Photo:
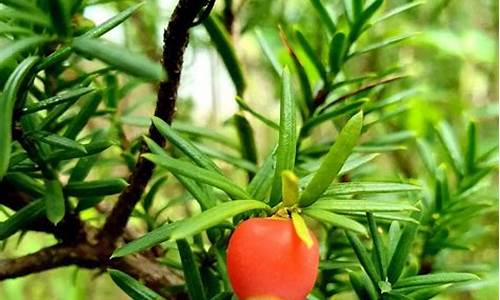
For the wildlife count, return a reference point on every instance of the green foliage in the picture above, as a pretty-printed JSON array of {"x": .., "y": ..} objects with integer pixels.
[{"x": 380, "y": 165}]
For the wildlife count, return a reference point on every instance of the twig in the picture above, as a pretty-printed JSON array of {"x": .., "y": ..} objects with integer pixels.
[{"x": 175, "y": 40}]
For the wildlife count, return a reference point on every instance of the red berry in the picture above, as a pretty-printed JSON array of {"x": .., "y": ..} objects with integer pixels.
[{"x": 267, "y": 259}]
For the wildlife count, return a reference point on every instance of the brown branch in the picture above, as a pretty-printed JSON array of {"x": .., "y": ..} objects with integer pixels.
[
  {"x": 175, "y": 40},
  {"x": 86, "y": 255}
]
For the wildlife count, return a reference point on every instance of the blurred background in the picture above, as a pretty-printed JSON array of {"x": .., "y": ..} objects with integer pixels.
[{"x": 451, "y": 57}]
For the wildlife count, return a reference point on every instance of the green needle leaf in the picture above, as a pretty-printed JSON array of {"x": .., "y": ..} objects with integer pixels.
[
  {"x": 12, "y": 50},
  {"x": 191, "y": 226},
  {"x": 7, "y": 105},
  {"x": 119, "y": 57},
  {"x": 333, "y": 161},
  {"x": 184, "y": 145},
  {"x": 432, "y": 279},
  {"x": 222, "y": 43},
  {"x": 95, "y": 188},
  {"x": 54, "y": 200},
  {"x": 132, "y": 287},
  {"x": 285, "y": 155},
  {"x": 335, "y": 220},
  {"x": 191, "y": 273},
  {"x": 199, "y": 174},
  {"x": 22, "y": 218}
]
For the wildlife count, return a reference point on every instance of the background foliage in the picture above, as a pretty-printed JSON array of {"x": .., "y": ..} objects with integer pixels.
[{"x": 418, "y": 129}]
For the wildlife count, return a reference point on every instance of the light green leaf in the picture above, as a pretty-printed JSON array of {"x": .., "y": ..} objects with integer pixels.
[
  {"x": 191, "y": 226},
  {"x": 258, "y": 116},
  {"x": 222, "y": 43},
  {"x": 335, "y": 220},
  {"x": 199, "y": 174},
  {"x": 450, "y": 144},
  {"x": 214, "y": 216},
  {"x": 268, "y": 52},
  {"x": 263, "y": 179},
  {"x": 341, "y": 205},
  {"x": 70, "y": 96},
  {"x": 324, "y": 16},
  {"x": 432, "y": 279},
  {"x": 335, "y": 112},
  {"x": 184, "y": 145},
  {"x": 333, "y": 161},
  {"x": 349, "y": 188},
  {"x": 63, "y": 53},
  {"x": 60, "y": 142},
  {"x": 119, "y": 57},
  {"x": 397, "y": 10},
  {"x": 54, "y": 200},
  {"x": 285, "y": 153}
]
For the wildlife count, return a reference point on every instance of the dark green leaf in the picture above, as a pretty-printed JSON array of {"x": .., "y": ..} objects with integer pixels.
[
  {"x": 132, "y": 287},
  {"x": 95, "y": 188},
  {"x": 22, "y": 218},
  {"x": 377, "y": 247},
  {"x": 313, "y": 57},
  {"x": 363, "y": 257},
  {"x": 338, "y": 48},
  {"x": 470, "y": 153},
  {"x": 12, "y": 50},
  {"x": 401, "y": 252},
  {"x": 7, "y": 105},
  {"x": 191, "y": 273},
  {"x": 79, "y": 121},
  {"x": 362, "y": 286}
]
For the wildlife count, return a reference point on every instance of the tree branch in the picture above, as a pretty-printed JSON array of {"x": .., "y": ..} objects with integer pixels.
[{"x": 175, "y": 40}]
